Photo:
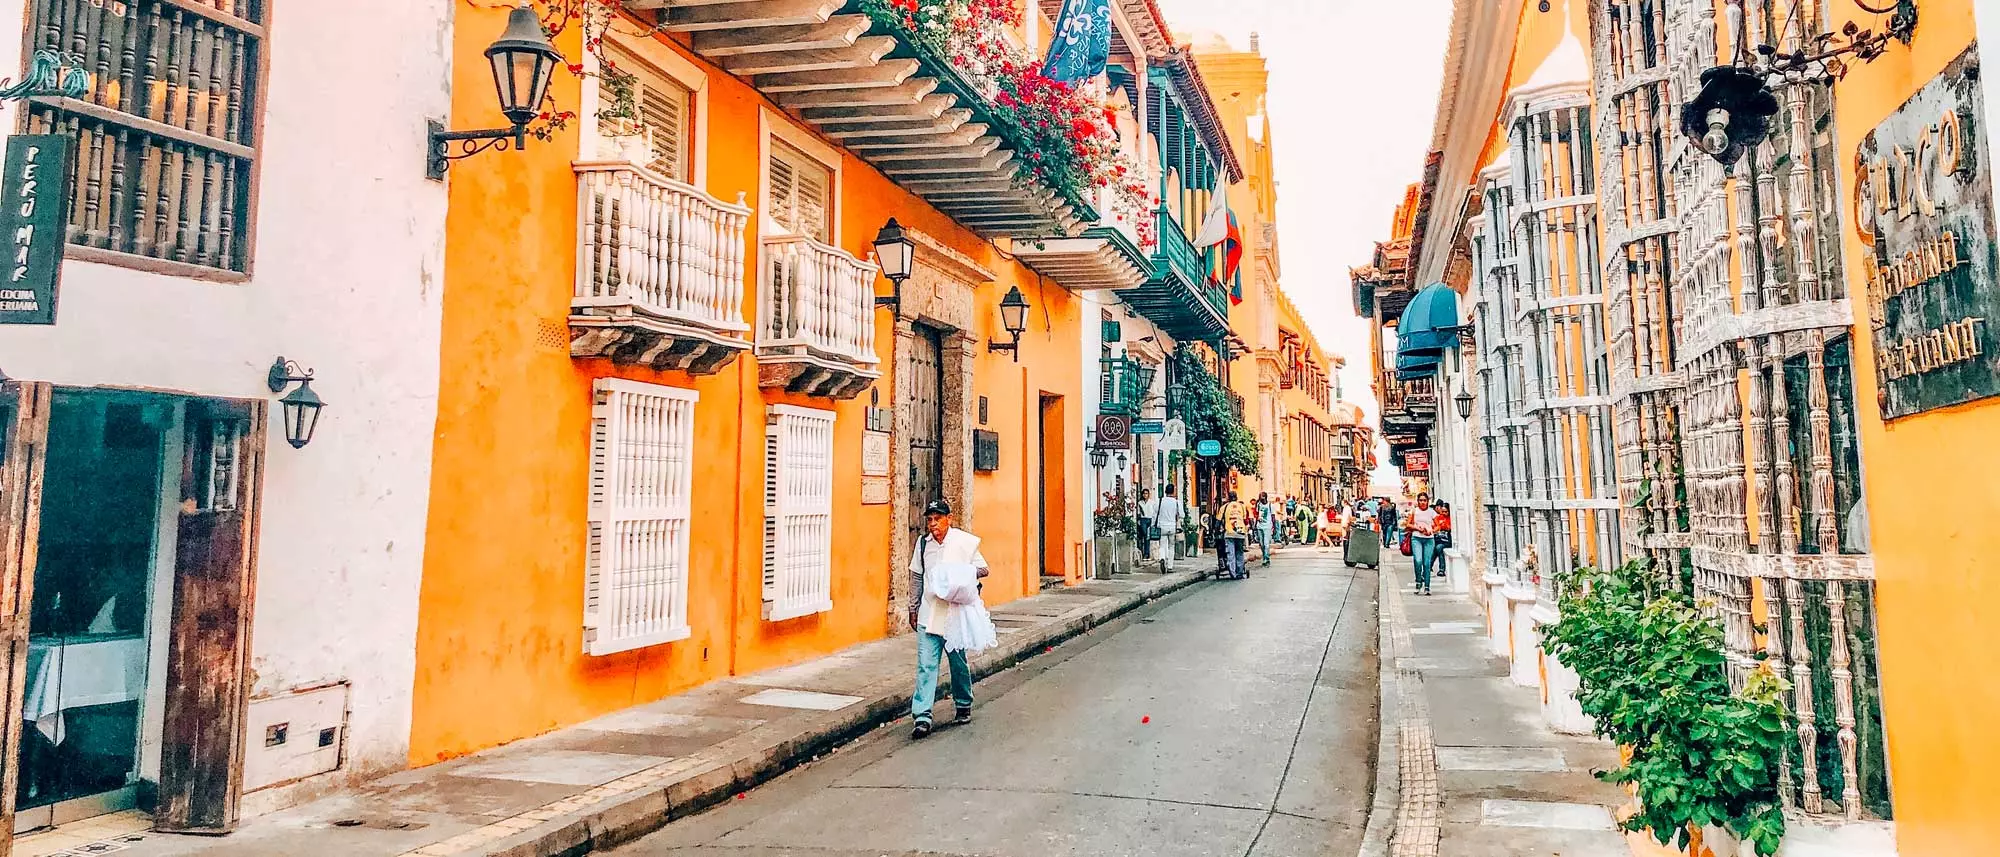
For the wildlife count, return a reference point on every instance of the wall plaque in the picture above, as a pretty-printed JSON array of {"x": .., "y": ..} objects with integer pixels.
[
  {"x": 1923, "y": 203},
  {"x": 875, "y": 453},
  {"x": 34, "y": 203},
  {"x": 985, "y": 451},
  {"x": 874, "y": 490}
]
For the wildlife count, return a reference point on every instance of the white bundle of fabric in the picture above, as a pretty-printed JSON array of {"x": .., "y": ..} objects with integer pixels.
[{"x": 965, "y": 625}]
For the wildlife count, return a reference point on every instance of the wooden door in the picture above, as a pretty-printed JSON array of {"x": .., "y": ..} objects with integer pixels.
[
  {"x": 926, "y": 404},
  {"x": 201, "y": 764},
  {"x": 1053, "y": 490},
  {"x": 24, "y": 430}
]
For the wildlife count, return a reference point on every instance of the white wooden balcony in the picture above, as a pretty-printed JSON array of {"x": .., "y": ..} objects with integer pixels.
[
  {"x": 816, "y": 319},
  {"x": 659, "y": 271}
]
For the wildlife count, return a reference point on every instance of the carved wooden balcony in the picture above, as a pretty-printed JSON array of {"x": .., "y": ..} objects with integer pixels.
[
  {"x": 816, "y": 319},
  {"x": 659, "y": 271}
]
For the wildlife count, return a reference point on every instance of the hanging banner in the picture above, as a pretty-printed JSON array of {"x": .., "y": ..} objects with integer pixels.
[
  {"x": 34, "y": 208},
  {"x": 1417, "y": 461},
  {"x": 1923, "y": 202}
]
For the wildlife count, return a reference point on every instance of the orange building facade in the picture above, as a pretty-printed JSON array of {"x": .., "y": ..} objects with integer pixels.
[{"x": 629, "y": 501}]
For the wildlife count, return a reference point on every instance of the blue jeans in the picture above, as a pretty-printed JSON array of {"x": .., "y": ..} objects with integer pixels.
[
  {"x": 929, "y": 647},
  {"x": 1264, "y": 541},
  {"x": 1423, "y": 550},
  {"x": 1233, "y": 549}
]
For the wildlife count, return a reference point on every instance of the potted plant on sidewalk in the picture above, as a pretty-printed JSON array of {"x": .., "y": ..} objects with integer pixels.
[{"x": 1116, "y": 532}]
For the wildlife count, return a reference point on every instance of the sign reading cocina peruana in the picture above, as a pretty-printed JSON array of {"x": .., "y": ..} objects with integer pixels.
[
  {"x": 1923, "y": 201},
  {"x": 34, "y": 197}
]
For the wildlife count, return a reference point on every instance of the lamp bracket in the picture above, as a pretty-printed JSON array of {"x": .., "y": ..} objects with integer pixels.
[
  {"x": 284, "y": 373},
  {"x": 1818, "y": 60},
  {"x": 468, "y": 143},
  {"x": 1011, "y": 347}
]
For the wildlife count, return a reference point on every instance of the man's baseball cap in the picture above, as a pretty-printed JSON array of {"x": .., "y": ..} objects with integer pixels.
[{"x": 937, "y": 507}]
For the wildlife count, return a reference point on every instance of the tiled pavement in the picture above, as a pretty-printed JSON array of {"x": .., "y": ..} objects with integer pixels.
[
  {"x": 626, "y": 773},
  {"x": 1478, "y": 771}
]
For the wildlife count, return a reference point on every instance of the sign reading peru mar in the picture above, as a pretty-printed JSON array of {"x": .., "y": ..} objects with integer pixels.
[
  {"x": 1923, "y": 202},
  {"x": 33, "y": 195}
]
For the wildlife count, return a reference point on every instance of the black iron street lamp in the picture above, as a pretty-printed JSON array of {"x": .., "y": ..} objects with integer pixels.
[
  {"x": 1733, "y": 110},
  {"x": 1099, "y": 457},
  {"x": 522, "y": 61},
  {"x": 1464, "y": 402},
  {"x": 302, "y": 406},
  {"x": 896, "y": 252},
  {"x": 1014, "y": 317}
]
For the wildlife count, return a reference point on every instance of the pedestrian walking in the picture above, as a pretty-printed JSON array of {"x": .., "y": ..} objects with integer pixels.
[
  {"x": 1423, "y": 541},
  {"x": 1308, "y": 523},
  {"x": 1149, "y": 511},
  {"x": 1443, "y": 529},
  {"x": 940, "y": 545},
  {"x": 1385, "y": 515},
  {"x": 1267, "y": 518},
  {"x": 1235, "y": 537},
  {"x": 1168, "y": 522},
  {"x": 1331, "y": 529},
  {"x": 1296, "y": 533}
]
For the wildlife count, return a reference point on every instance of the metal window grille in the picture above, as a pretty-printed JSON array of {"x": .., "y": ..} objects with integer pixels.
[
  {"x": 636, "y": 567},
  {"x": 166, "y": 136},
  {"x": 798, "y": 512}
]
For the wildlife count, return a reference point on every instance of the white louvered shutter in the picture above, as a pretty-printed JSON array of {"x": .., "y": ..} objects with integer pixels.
[
  {"x": 636, "y": 568},
  {"x": 801, "y": 192},
  {"x": 664, "y": 107},
  {"x": 798, "y": 512}
]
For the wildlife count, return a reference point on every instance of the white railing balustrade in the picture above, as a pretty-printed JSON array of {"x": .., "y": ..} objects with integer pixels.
[
  {"x": 658, "y": 247},
  {"x": 818, "y": 298}
]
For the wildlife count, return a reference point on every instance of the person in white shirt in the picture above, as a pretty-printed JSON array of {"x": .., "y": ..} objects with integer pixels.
[
  {"x": 1423, "y": 541},
  {"x": 941, "y": 543},
  {"x": 1167, "y": 521}
]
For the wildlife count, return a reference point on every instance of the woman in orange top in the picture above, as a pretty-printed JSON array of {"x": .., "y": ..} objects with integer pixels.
[{"x": 1443, "y": 526}]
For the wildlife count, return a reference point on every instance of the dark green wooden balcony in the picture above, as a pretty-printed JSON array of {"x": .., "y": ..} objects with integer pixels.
[
  {"x": 1179, "y": 295},
  {"x": 1123, "y": 383}
]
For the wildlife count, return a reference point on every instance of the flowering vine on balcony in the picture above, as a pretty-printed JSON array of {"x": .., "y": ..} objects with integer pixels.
[{"x": 1065, "y": 134}]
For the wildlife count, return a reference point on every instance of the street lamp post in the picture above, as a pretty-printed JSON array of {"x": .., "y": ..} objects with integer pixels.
[{"x": 522, "y": 60}]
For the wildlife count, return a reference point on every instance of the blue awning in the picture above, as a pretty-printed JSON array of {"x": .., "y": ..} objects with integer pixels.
[
  {"x": 1410, "y": 367},
  {"x": 1429, "y": 324}
]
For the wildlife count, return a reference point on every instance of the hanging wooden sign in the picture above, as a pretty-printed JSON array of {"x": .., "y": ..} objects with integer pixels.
[
  {"x": 1923, "y": 203},
  {"x": 34, "y": 208}
]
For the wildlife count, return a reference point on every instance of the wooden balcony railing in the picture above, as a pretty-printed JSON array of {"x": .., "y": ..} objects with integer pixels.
[
  {"x": 658, "y": 248},
  {"x": 818, "y": 299}
]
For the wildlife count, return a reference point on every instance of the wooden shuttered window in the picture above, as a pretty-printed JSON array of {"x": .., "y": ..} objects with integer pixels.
[
  {"x": 798, "y": 512},
  {"x": 166, "y": 130},
  {"x": 636, "y": 564},
  {"x": 665, "y": 116},
  {"x": 801, "y": 192}
]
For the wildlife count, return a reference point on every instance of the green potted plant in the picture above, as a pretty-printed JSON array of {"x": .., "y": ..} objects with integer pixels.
[{"x": 1116, "y": 526}]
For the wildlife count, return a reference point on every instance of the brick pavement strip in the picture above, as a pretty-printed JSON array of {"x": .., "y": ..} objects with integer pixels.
[
  {"x": 633, "y": 805},
  {"x": 1406, "y": 819}
]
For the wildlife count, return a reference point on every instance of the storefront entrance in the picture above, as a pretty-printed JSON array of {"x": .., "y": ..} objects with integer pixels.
[{"x": 127, "y": 543}]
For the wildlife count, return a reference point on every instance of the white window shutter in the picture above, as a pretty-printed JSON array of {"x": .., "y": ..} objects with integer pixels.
[
  {"x": 663, "y": 107},
  {"x": 636, "y": 567},
  {"x": 801, "y": 192},
  {"x": 798, "y": 512}
]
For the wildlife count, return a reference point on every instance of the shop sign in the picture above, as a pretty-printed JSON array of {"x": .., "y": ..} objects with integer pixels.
[
  {"x": 1208, "y": 448},
  {"x": 34, "y": 202},
  {"x": 875, "y": 453},
  {"x": 1923, "y": 203},
  {"x": 1174, "y": 437},
  {"x": 1417, "y": 461},
  {"x": 1149, "y": 427},
  {"x": 1114, "y": 431}
]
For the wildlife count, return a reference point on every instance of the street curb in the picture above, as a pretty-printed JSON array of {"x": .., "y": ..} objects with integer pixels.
[
  {"x": 734, "y": 766},
  {"x": 1382, "y": 811}
]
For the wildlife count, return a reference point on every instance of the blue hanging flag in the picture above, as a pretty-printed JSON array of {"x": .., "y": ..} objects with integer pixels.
[{"x": 1082, "y": 43}]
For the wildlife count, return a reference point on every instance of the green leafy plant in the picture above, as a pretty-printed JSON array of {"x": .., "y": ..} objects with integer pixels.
[
  {"x": 1116, "y": 515},
  {"x": 1651, "y": 672},
  {"x": 1203, "y": 403}
]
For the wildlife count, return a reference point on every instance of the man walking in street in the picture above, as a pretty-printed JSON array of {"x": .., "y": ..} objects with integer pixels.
[
  {"x": 941, "y": 543},
  {"x": 1266, "y": 519},
  {"x": 1235, "y": 537},
  {"x": 1385, "y": 514},
  {"x": 1149, "y": 512},
  {"x": 1423, "y": 541},
  {"x": 1167, "y": 521}
]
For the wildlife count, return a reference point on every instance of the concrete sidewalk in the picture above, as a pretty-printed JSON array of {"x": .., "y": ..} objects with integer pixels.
[
  {"x": 615, "y": 778},
  {"x": 1477, "y": 769}
]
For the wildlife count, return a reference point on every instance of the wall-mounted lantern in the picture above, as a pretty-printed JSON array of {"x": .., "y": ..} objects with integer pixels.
[
  {"x": 1099, "y": 457},
  {"x": 1464, "y": 402},
  {"x": 302, "y": 406},
  {"x": 1734, "y": 107},
  {"x": 522, "y": 61},
  {"x": 1014, "y": 317},
  {"x": 896, "y": 251}
]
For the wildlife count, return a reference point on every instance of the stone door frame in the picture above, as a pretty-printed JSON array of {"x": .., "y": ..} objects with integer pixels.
[{"x": 941, "y": 295}]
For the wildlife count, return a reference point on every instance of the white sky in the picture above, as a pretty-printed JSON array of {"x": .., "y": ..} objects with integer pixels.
[{"x": 1353, "y": 95}]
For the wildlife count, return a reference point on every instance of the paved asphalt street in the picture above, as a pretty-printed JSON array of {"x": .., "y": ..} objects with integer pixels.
[{"x": 1234, "y": 720}]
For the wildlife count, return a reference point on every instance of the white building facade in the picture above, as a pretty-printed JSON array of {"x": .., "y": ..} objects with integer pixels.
[{"x": 248, "y": 185}]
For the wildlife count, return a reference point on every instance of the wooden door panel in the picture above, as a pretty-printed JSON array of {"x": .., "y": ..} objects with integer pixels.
[
  {"x": 24, "y": 431},
  {"x": 208, "y": 646}
]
